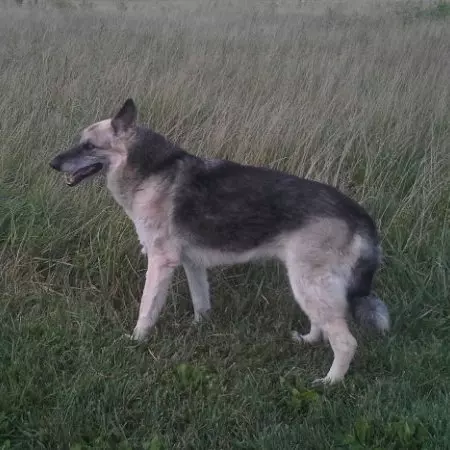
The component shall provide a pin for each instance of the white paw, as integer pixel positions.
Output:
(304, 338)
(200, 317)
(326, 381)
(140, 334)
(321, 381)
(143, 249)
(309, 338)
(297, 337)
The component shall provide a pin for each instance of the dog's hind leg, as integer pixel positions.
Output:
(199, 288)
(322, 297)
(344, 346)
(299, 285)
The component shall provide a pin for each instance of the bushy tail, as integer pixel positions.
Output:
(367, 309)
(371, 312)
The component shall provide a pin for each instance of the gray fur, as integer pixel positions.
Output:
(371, 312)
(201, 213)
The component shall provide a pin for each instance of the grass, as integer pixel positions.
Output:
(350, 94)
(436, 10)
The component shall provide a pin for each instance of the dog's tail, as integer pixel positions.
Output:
(367, 309)
(371, 312)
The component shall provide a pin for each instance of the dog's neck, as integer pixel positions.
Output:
(149, 156)
(150, 153)
(120, 183)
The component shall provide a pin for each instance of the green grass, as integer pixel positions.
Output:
(351, 95)
(438, 10)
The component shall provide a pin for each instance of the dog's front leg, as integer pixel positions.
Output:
(159, 273)
(199, 288)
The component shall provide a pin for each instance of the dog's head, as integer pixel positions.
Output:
(101, 145)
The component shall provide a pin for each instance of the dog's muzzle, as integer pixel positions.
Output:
(73, 178)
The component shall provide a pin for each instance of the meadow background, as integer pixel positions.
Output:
(354, 93)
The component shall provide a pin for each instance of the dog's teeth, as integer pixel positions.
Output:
(69, 178)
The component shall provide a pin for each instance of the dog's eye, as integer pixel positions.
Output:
(88, 145)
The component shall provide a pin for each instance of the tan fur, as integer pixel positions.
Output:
(319, 261)
(102, 136)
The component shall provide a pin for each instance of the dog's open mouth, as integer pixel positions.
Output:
(75, 177)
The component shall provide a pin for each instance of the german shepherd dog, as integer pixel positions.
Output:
(201, 213)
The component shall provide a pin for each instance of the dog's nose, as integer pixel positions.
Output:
(55, 163)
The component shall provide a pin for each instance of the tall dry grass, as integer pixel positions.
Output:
(360, 101)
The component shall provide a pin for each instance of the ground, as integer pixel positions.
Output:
(355, 94)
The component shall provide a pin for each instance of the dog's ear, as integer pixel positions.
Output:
(125, 118)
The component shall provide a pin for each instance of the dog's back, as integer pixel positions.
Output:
(233, 207)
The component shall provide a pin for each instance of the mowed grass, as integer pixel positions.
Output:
(354, 95)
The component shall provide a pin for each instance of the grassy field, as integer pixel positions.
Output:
(356, 94)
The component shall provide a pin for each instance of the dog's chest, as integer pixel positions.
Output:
(122, 188)
(150, 213)
(150, 208)
(147, 204)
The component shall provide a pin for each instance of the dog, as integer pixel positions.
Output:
(201, 213)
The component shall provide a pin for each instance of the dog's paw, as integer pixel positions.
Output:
(325, 381)
(297, 337)
(143, 249)
(304, 338)
(309, 338)
(320, 382)
(139, 334)
(200, 317)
